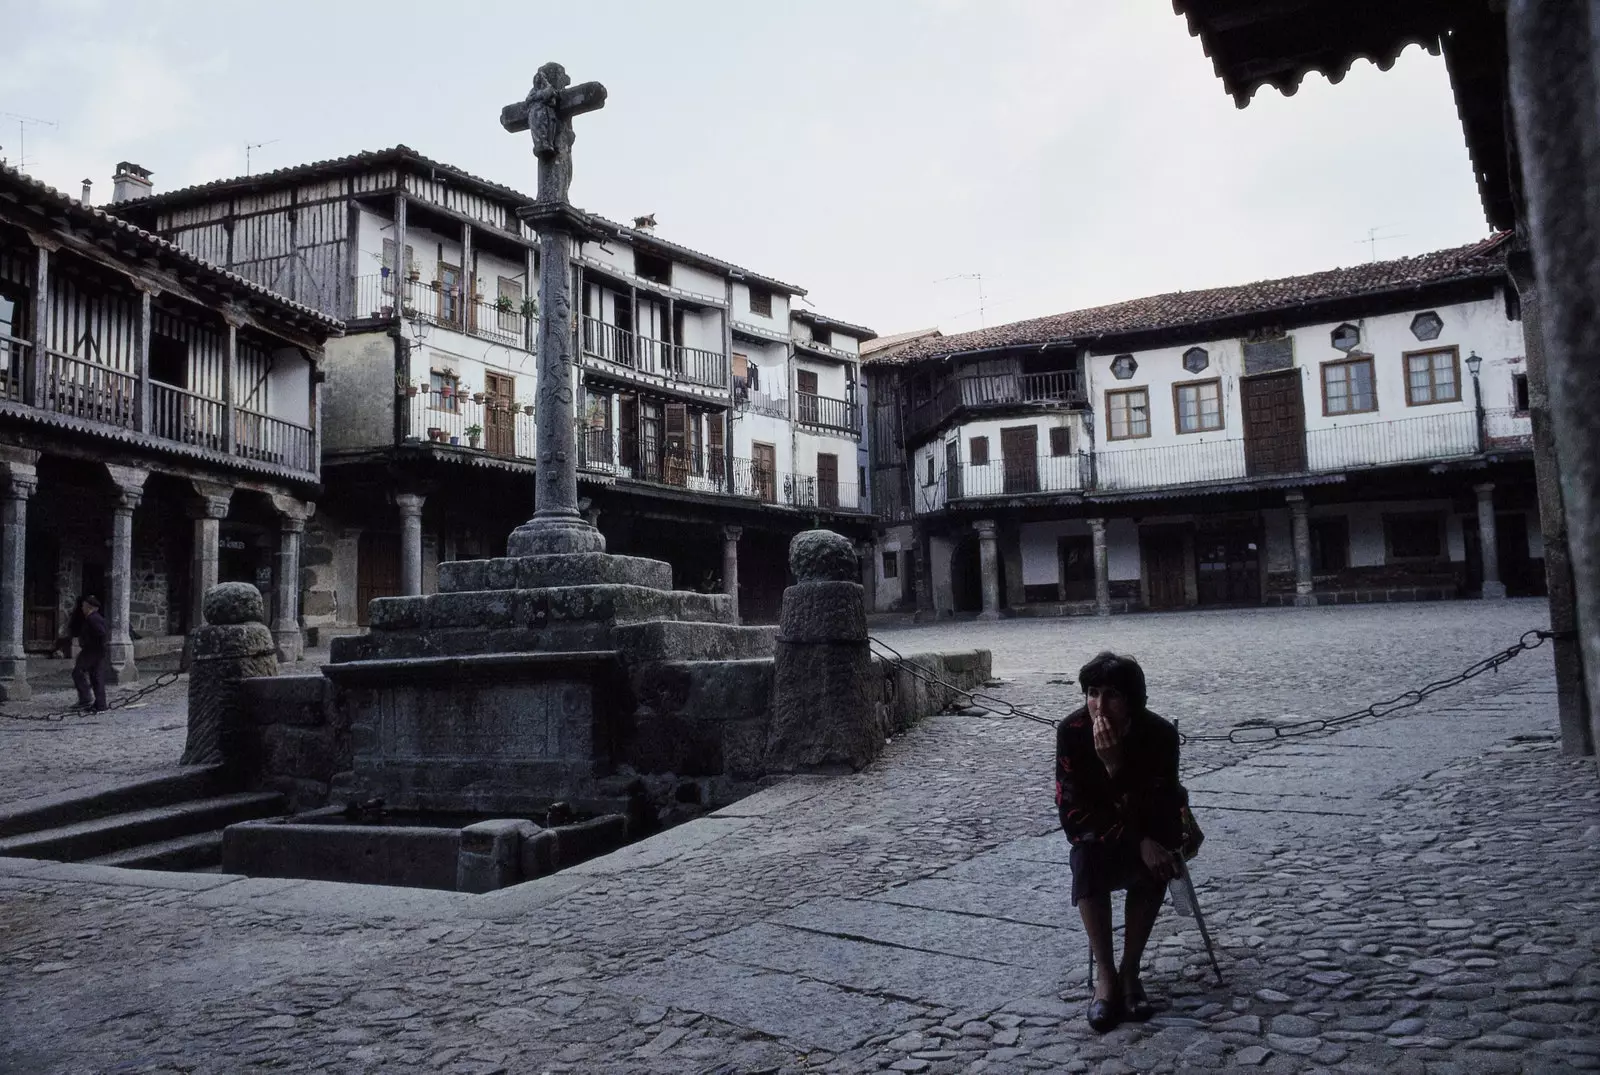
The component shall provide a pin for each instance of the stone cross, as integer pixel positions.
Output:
(546, 114)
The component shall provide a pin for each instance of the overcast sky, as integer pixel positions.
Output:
(1073, 152)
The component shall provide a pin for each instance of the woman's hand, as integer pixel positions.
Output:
(1158, 860)
(1108, 743)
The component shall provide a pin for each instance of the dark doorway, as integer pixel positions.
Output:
(1077, 568)
(1163, 565)
(1274, 423)
(908, 581)
(966, 575)
(1523, 577)
(41, 603)
(377, 569)
(1228, 566)
(952, 470)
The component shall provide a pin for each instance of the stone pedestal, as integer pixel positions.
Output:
(1102, 568)
(1489, 543)
(233, 645)
(988, 568)
(1300, 534)
(823, 713)
(18, 480)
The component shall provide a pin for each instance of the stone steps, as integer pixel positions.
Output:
(543, 572)
(674, 640)
(195, 851)
(103, 800)
(105, 835)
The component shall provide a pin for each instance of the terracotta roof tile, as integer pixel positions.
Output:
(1481, 260)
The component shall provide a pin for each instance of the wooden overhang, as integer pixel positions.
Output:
(1278, 42)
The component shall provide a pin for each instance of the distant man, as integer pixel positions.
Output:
(89, 672)
(1121, 807)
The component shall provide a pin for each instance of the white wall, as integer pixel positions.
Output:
(778, 322)
(289, 386)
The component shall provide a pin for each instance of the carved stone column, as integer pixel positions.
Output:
(989, 568)
(18, 480)
(1300, 534)
(1488, 543)
(730, 565)
(410, 505)
(129, 491)
(292, 515)
(1102, 568)
(208, 509)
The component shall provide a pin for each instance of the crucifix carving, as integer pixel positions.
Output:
(546, 114)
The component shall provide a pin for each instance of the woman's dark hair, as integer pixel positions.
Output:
(1108, 669)
(94, 602)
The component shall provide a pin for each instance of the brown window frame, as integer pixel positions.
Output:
(1405, 371)
(1177, 407)
(1064, 436)
(764, 309)
(978, 451)
(1145, 390)
(891, 563)
(1372, 366)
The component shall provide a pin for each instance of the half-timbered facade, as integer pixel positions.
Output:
(715, 419)
(159, 430)
(1355, 435)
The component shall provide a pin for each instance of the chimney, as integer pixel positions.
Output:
(645, 223)
(129, 182)
(87, 184)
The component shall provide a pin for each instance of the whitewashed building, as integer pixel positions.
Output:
(1353, 435)
(716, 419)
(159, 431)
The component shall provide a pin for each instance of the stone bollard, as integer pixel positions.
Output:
(234, 645)
(823, 712)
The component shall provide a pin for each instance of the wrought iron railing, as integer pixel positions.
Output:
(381, 296)
(677, 362)
(476, 420)
(827, 413)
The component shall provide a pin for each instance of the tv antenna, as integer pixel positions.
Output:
(23, 123)
(1373, 239)
(978, 276)
(249, 146)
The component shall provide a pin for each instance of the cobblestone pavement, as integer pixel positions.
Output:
(1413, 894)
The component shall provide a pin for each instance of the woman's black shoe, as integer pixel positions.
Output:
(1139, 1006)
(1104, 1014)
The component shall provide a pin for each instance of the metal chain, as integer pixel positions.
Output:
(1253, 731)
(165, 679)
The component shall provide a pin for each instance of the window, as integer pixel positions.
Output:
(891, 564)
(1519, 388)
(761, 302)
(13, 305)
(1348, 387)
(1414, 535)
(1433, 376)
(930, 479)
(1198, 405)
(806, 385)
(1330, 544)
(444, 392)
(652, 267)
(508, 302)
(1128, 412)
(978, 451)
(821, 337)
(169, 360)
(1060, 440)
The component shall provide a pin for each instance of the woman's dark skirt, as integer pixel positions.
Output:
(1100, 868)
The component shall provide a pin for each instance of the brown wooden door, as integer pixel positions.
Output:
(377, 569)
(1163, 566)
(500, 414)
(1077, 568)
(628, 430)
(827, 480)
(1019, 453)
(1227, 566)
(805, 382)
(764, 471)
(952, 470)
(677, 444)
(1274, 423)
(716, 449)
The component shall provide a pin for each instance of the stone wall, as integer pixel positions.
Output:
(1432, 581)
(293, 740)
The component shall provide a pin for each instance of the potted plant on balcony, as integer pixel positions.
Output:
(527, 409)
(504, 304)
(435, 433)
(414, 275)
(530, 307)
(474, 433)
(478, 397)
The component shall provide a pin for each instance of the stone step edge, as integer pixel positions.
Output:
(189, 817)
(206, 844)
(167, 787)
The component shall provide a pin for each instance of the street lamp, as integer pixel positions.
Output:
(1474, 364)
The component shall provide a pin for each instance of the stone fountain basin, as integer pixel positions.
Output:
(453, 852)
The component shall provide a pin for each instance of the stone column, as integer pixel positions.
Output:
(1488, 543)
(129, 483)
(18, 480)
(1102, 568)
(208, 509)
(410, 505)
(292, 515)
(1300, 533)
(988, 568)
(730, 565)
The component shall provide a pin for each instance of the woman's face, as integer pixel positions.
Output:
(1108, 702)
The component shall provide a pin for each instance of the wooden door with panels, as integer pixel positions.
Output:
(827, 480)
(377, 569)
(500, 413)
(1019, 454)
(1164, 572)
(676, 452)
(764, 471)
(1274, 423)
(952, 470)
(805, 383)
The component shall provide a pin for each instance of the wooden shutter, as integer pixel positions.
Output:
(827, 480)
(1060, 441)
(714, 445)
(806, 381)
(677, 438)
(741, 365)
(978, 451)
(628, 429)
(1019, 447)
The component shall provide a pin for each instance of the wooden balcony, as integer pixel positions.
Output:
(1061, 388)
(823, 412)
(672, 362)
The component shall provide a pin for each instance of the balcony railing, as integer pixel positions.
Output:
(265, 439)
(503, 427)
(177, 414)
(375, 298)
(83, 389)
(1352, 445)
(993, 390)
(827, 413)
(14, 357)
(673, 361)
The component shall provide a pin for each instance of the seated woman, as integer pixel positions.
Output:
(1121, 806)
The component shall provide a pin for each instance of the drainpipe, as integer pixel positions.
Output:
(727, 357)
